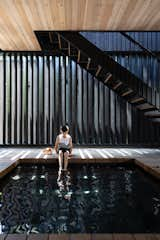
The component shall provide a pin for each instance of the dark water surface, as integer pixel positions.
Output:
(97, 198)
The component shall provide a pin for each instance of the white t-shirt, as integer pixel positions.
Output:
(65, 140)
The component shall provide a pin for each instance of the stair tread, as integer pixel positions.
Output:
(105, 68)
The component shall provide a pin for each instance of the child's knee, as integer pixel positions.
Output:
(66, 154)
(60, 153)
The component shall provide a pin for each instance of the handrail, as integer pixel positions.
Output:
(100, 58)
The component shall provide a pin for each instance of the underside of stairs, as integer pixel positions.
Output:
(104, 68)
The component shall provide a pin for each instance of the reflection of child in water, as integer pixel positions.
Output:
(63, 182)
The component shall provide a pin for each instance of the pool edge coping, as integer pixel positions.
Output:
(152, 170)
(82, 236)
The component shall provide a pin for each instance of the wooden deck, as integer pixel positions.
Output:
(147, 158)
(80, 237)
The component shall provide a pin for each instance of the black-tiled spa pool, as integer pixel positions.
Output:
(94, 198)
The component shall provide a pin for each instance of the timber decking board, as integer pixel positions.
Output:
(59, 237)
(102, 236)
(147, 158)
(16, 237)
(114, 236)
(20, 18)
(38, 237)
(80, 236)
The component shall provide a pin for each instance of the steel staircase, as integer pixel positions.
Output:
(104, 68)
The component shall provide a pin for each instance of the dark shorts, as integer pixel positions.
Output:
(64, 150)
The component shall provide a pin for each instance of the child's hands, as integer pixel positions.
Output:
(56, 150)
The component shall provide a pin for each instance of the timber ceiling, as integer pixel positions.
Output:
(20, 18)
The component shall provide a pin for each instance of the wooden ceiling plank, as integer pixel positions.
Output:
(20, 18)
(26, 29)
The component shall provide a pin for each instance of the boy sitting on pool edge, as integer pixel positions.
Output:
(63, 145)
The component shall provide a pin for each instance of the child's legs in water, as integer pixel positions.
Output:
(66, 154)
(60, 158)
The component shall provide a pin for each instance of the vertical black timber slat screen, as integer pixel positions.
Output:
(18, 98)
(70, 105)
(87, 108)
(21, 98)
(4, 98)
(74, 100)
(54, 118)
(1, 99)
(57, 97)
(37, 103)
(10, 99)
(49, 102)
(15, 92)
(5, 101)
(32, 93)
(85, 120)
(7, 97)
(29, 97)
(91, 100)
(79, 106)
(39, 93)
(23, 87)
(43, 102)
(26, 89)
(63, 88)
